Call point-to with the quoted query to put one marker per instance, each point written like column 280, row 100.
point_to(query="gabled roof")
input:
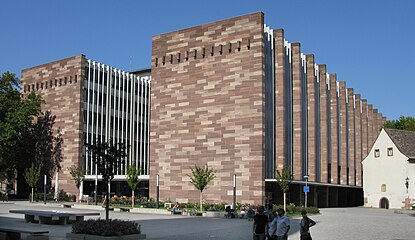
column 404, row 141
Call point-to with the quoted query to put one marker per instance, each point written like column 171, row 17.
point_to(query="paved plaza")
column 332, row 224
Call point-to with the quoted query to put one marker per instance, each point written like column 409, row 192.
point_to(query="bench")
column 15, row 233
column 66, row 205
column 122, row 209
column 53, row 217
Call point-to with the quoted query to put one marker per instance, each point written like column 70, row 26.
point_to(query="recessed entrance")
column 384, row 203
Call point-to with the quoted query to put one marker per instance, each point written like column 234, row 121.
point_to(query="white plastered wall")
column 389, row 170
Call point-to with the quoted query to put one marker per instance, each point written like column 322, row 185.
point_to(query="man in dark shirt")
column 260, row 224
column 305, row 225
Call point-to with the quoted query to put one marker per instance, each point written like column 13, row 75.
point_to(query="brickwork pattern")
column 323, row 124
column 60, row 85
column 351, row 138
column 297, row 113
column 311, row 118
column 207, row 107
column 334, row 129
column 370, row 135
column 280, row 109
column 364, row 129
column 343, row 133
column 358, row 131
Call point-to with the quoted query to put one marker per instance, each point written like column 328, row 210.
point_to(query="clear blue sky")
column 368, row 44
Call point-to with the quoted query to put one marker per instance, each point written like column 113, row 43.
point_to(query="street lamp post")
column 234, row 192
column 306, row 190
column 407, row 184
column 157, row 191
column 44, row 191
column 96, row 185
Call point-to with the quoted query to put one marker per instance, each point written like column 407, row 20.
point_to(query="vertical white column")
column 148, row 126
column 145, row 125
column 141, row 124
column 92, row 110
column 137, row 124
column 87, row 159
column 108, row 105
column 101, row 92
column 123, row 127
column 113, row 99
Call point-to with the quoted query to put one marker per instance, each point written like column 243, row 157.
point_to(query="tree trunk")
column 132, row 198
column 107, row 203
column 201, row 207
column 32, row 195
column 285, row 202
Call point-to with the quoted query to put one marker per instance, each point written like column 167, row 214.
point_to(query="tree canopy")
column 132, row 176
column 26, row 134
column 132, row 179
column 108, row 156
column 200, row 178
column 284, row 178
column 16, row 115
column 77, row 173
column 403, row 123
column 31, row 176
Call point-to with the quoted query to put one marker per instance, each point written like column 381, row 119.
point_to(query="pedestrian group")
column 279, row 227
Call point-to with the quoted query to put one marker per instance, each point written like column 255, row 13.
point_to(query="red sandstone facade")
column 60, row 85
column 207, row 107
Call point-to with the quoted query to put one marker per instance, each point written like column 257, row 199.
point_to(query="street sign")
column 306, row 189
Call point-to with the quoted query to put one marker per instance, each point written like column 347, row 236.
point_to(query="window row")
column 389, row 152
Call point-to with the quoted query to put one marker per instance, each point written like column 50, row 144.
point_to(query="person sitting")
column 250, row 214
column 243, row 212
column 212, row 208
column 176, row 208
column 230, row 213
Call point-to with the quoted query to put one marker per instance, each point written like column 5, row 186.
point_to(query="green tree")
column 77, row 173
column 108, row 156
column 200, row 178
column 31, row 176
column 16, row 115
column 284, row 179
column 132, row 179
column 46, row 147
column 403, row 123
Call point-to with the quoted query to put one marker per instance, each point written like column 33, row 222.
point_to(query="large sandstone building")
column 234, row 95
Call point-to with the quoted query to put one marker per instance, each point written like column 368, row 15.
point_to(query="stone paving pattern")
column 334, row 223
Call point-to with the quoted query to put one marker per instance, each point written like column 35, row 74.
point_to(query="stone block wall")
column 207, row 107
column 60, row 85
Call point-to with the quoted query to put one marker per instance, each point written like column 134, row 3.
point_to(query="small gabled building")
column 389, row 170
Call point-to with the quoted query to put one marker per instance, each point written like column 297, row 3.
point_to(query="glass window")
column 377, row 153
column 390, row 151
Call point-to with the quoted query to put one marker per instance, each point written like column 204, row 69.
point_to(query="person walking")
column 305, row 225
column 280, row 226
column 260, row 225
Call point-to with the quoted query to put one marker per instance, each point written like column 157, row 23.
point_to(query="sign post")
column 306, row 190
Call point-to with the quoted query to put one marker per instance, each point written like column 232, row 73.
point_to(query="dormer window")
column 377, row 153
column 390, row 151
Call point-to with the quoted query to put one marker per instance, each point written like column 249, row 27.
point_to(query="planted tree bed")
column 102, row 229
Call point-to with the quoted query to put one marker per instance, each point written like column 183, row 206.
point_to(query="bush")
column 63, row 197
column 102, row 227
column 293, row 209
